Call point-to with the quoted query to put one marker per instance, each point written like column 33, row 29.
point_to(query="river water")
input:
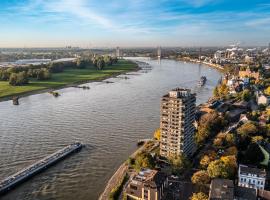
column 109, row 119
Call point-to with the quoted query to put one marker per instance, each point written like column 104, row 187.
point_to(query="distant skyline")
column 134, row 23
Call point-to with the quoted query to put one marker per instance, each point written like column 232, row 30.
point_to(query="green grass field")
column 69, row 76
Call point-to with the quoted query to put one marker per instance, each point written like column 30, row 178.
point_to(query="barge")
column 26, row 173
column 202, row 81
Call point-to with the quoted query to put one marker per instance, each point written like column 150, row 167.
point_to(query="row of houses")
column 154, row 185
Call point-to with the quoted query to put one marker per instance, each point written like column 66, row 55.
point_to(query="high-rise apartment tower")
column 177, row 123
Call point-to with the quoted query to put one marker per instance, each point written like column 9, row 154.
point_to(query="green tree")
column 246, row 95
column 253, row 155
column 100, row 63
column 179, row 163
column 20, row 78
column 108, row 60
column 144, row 160
column 43, row 74
column 13, row 79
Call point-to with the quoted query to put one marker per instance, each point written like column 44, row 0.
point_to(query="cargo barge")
column 202, row 81
column 10, row 182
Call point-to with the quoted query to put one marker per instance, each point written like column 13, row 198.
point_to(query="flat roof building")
column 177, row 123
column 221, row 189
column 147, row 184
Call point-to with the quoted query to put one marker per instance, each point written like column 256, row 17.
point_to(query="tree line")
column 21, row 75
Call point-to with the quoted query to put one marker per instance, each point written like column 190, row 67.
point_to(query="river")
column 109, row 119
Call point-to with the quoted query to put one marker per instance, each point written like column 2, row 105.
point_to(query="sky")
column 133, row 23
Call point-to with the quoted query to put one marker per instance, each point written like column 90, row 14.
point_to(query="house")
column 221, row 189
column 224, row 189
column 251, row 177
column 147, row 184
column 262, row 99
column 243, row 193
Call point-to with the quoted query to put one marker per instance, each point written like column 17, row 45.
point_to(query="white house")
column 262, row 99
column 251, row 177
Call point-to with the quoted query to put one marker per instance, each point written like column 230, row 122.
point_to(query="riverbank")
column 123, row 168
column 217, row 66
column 120, row 173
column 68, row 78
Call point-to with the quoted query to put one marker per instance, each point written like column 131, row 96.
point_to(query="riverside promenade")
column 118, row 176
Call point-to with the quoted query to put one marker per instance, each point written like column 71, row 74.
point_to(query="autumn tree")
column 209, row 124
column 199, row 196
column 247, row 130
column 267, row 91
column 207, row 158
column 200, row 177
column 157, row 134
column 225, row 167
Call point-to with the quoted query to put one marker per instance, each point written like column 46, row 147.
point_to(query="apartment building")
column 177, row 123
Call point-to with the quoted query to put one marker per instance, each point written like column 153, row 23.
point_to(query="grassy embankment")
column 68, row 77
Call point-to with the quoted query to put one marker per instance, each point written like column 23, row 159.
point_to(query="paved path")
column 114, row 181
column 118, row 176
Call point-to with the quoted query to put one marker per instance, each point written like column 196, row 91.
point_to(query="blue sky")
column 110, row 23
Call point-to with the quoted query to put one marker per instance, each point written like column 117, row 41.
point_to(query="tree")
column 157, row 134
column 267, row 91
column 20, row 78
column 108, row 60
column 217, row 169
column 246, row 95
column 179, row 163
column 200, row 177
column 247, row 130
column 56, row 67
column 81, row 63
column 230, row 164
column 209, row 124
column 223, row 90
column 144, row 160
column 229, row 138
column 225, row 167
column 4, row 75
column 43, row 74
column 231, row 151
column 206, row 159
column 100, row 63
column 114, row 60
column 254, row 154
column 199, row 196
column 256, row 138
column 13, row 79
column 215, row 92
